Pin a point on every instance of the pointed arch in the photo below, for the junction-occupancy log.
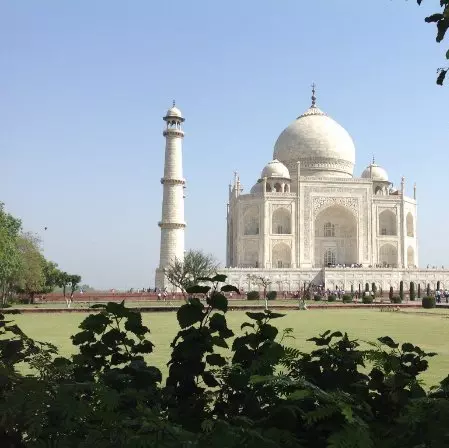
(410, 257)
(388, 255)
(410, 225)
(281, 222)
(251, 221)
(281, 256)
(387, 223)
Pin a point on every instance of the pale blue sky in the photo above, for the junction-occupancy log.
(83, 87)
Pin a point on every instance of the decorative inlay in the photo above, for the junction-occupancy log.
(326, 201)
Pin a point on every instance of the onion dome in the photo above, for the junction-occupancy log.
(375, 172)
(275, 169)
(174, 112)
(323, 147)
(257, 188)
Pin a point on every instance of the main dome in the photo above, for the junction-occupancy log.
(324, 148)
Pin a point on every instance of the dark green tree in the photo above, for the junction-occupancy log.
(367, 287)
(419, 290)
(391, 293)
(412, 291)
(438, 282)
(428, 290)
(401, 290)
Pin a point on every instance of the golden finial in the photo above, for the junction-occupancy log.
(174, 103)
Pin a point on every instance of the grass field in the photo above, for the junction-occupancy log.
(429, 330)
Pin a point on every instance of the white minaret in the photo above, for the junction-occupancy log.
(172, 224)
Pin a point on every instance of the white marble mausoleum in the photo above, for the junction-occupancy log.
(308, 217)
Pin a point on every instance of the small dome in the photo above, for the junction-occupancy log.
(174, 112)
(375, 172)
(257, 188)
(275, 169)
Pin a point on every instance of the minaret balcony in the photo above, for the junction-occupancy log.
(170, 181)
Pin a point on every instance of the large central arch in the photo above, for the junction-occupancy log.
(335, 238)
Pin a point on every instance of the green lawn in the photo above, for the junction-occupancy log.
(426, 329)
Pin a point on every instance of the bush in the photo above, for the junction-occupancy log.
(412, 291)
(332, 298)
(317, 297)
(391, 294)
(347, 298)
(253, 295)
(271, 295)
(367, 299)
(428, 302)
(396, 299)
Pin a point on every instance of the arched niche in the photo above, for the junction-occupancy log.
(281, 256)
(335, 239)
(388, 255)
(410, 257)
(410, 225)
(251, 253)
(251, 221)
(387, 223)
(281, 222)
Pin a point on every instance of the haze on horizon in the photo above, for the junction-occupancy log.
(84, 86)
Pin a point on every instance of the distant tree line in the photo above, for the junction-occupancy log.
(24, 271)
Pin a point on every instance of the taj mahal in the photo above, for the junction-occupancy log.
(308, 217)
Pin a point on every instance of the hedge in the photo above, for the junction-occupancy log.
(271, 295)
(347, 298)
(367, 299)
(428, 302)
(396, 299)
(253, 295)
(332, 298)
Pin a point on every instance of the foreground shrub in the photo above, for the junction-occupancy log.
(396, 299)
(317, 297)
(331, 298)
(347, 298)
(248, 389)
(428, 302)
(271, 295)
(253, 295)
(367, 299)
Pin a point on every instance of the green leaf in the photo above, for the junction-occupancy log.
(219, 342)
(219, 278)
(259, 379)
(197, 289)
(447, 54)
(189, 314)
(204, 279)
(217, 322)
(229, 288)
(407, 347)
(299, 394)
(441, 76)
(256, 316)
(434, 18)
(117, 309)
(268, 332)
(216, 360)
(209, 379)
(247, 324)
(98, 305)
(386, 340)
(274, 315)
(219, 302)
